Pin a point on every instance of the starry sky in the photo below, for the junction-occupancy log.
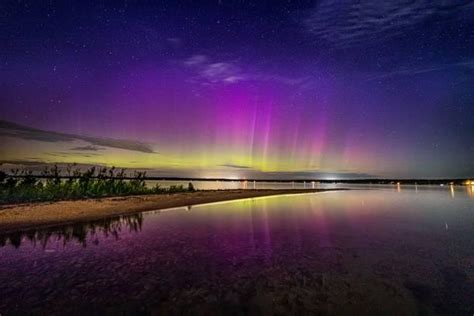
(257, 89)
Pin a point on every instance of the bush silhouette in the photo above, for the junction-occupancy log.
(51, 185)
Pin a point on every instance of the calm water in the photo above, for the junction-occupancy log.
(237, 184)
(391, 251)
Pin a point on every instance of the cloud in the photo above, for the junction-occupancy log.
(15, 130)
(308, 175)
(64, 154)
(235, 166)
(420, 70)
(350, 23)
(175, 41)
(209, 72)
(222, 72)
(250, 173)
(195, 60)
(87, 148)
(244, 172)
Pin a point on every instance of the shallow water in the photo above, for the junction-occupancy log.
(392, 251)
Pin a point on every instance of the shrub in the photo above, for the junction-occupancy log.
(76, 184)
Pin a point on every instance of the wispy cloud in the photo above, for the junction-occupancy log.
(65, 154)
(15, 130)
(302, 175)
(420, 70)
(234, 166)
(87, 148)
(349, 23)
(209, 72)
(244, 172)
(175, 41)
(196, 60)
(222, 72)
(250, 172)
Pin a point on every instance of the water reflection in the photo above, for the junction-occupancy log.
(80, 233)
(378, 252)
(470, 190)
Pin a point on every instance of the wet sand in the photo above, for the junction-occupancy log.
(33, 215)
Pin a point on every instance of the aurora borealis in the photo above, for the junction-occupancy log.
(330, 89)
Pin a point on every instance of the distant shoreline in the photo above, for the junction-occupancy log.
(454, 181)
(18, 217)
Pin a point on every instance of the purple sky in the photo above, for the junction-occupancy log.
(310, 89)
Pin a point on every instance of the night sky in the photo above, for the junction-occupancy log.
(324, 89)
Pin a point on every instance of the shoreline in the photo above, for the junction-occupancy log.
(22, 217)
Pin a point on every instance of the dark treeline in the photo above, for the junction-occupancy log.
(80, 232)
(52, 184)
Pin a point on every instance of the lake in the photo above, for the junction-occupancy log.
(369, 251)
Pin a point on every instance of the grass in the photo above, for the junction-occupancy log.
(52, 185)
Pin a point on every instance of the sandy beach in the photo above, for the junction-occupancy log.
(33, 215)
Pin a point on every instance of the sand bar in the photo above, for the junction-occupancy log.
(43, 214)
